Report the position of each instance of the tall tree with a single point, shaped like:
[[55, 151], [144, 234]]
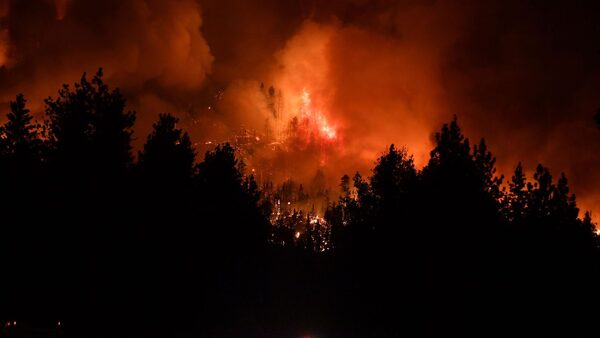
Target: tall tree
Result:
[[90, 129], [21, 147], [485, 164], [451, 145], [90, 133], [563, 205], [517, 196], [26, 244], [393, 175], [21, 139], [540, 193], [232, 237], [168, 154], [223, 188]]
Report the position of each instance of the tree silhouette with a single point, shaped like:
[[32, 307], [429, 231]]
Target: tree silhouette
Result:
[[393, 175], [22, 150], [168, 153], [21, 139], [485, 165], [89, 132], [90, 129], [25, 244], [223, 187], [517, 197], [169, 247], [233, 234], [451, 145]]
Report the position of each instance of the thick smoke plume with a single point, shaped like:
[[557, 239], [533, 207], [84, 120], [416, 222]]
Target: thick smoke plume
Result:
[[524, 75]]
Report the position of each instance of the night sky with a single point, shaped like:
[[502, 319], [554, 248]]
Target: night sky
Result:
[[523, 74]]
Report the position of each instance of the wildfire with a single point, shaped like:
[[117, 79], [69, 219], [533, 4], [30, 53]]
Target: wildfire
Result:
[[315, 118]]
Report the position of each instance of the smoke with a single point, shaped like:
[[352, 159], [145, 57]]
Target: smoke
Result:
[[154, 50], [61, 8], [524, 75], [4, 41]]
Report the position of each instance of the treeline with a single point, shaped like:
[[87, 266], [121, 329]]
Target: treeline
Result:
[[161, 244], [459, 253], [110, 246]]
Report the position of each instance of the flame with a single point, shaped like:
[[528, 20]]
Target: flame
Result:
[[315, 118]]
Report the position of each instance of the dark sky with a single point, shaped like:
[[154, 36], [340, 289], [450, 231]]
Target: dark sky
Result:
[[523, 74]]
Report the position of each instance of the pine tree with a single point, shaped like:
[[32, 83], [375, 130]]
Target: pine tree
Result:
[[21, 144], [168, 155], [451, 145], [393, 175], [540, 193], [485, 164], [90, 129], [21, 138], [563, 206], [517, 196]]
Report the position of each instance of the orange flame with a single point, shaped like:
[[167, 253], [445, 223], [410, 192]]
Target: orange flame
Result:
[[315, 118]]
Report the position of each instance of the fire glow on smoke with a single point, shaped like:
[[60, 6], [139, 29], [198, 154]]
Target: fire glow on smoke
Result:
[[316, 120]]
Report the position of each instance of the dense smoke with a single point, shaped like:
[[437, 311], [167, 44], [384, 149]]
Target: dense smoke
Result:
[[154, 50], [524, 75]]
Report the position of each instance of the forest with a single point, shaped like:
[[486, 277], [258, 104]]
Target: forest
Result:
[[98, 241]]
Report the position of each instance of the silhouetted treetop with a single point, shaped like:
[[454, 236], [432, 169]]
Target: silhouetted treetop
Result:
[[168, 152], [540, 192], [453, 169], [547, 199], [485, 164], [89, 123], [220, 167], [451, 144], [517, 195], [394, 173], [21, 139]]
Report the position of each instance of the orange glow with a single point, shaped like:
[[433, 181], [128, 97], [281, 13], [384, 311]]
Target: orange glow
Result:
[[315, 119], [61, 8], [360, 76], [4, 42], [3, 50]]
